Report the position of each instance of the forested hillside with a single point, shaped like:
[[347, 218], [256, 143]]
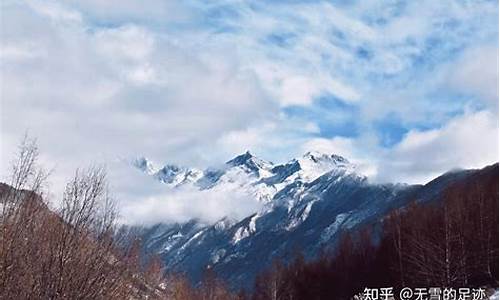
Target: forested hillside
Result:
[[451, 241]]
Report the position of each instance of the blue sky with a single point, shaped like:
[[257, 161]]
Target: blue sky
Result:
[[406, 89]]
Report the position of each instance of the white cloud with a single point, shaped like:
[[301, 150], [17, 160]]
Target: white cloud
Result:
[[270, 140], [55, 11], [467, 141], [122, 11], [301, 90], [123, 90], [91, 94], [197, 82], [145, 201], [248, 139], [298, 90], [183, 205], [476, 72]]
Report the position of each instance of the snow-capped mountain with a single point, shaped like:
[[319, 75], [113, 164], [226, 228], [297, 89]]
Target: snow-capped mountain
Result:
[[308, 202], [290, 193], [175, 176], [144, 165], [169, 174], [251, 165], [248, 173]]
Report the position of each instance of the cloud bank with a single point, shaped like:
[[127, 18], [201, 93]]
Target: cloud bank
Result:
[[406, 89]]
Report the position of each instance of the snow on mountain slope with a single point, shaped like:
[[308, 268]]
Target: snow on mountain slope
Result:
[[171, 175], [176, 176], [251, 164], [258, 178], [308, 203], [144, 165], [315, 164], [293, 195]]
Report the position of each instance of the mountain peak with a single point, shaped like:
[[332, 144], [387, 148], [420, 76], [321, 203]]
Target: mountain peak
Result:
[[317, 156], [314, 164], [170, 169], [144, 164], [250, 162], [176, 175], [242, 159]]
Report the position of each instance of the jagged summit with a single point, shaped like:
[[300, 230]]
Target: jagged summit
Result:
[[241, 159], [144, 164], [317, 156], [176, 175], [307, 203], [258, 177], [312, 165], [168, 173], [251, 163]]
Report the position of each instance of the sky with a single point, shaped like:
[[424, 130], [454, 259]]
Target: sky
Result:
[[405, 89]]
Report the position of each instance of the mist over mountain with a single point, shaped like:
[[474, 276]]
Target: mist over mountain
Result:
[[302, 206], [228, 143]]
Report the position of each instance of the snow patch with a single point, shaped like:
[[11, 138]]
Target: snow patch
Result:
[[240, 234], [194, 237], [302, 217], [217, 255], [252, 224], [244, 231], [144, 164], [171, 241], [330, 231]]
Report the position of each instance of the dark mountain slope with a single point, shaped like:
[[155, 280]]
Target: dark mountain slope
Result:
[[305, 217]]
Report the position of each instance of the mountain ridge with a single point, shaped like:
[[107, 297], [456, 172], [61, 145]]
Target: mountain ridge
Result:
[[304, 212], [261, 178]]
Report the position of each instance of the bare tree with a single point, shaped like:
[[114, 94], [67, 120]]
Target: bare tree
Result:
[[179, 288], [69, 253], [212, 288], [21, 206]]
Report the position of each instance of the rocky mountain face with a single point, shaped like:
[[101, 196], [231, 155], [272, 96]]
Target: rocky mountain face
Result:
[[306, 204]]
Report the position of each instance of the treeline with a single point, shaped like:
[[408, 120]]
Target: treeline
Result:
[[450, 242]]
